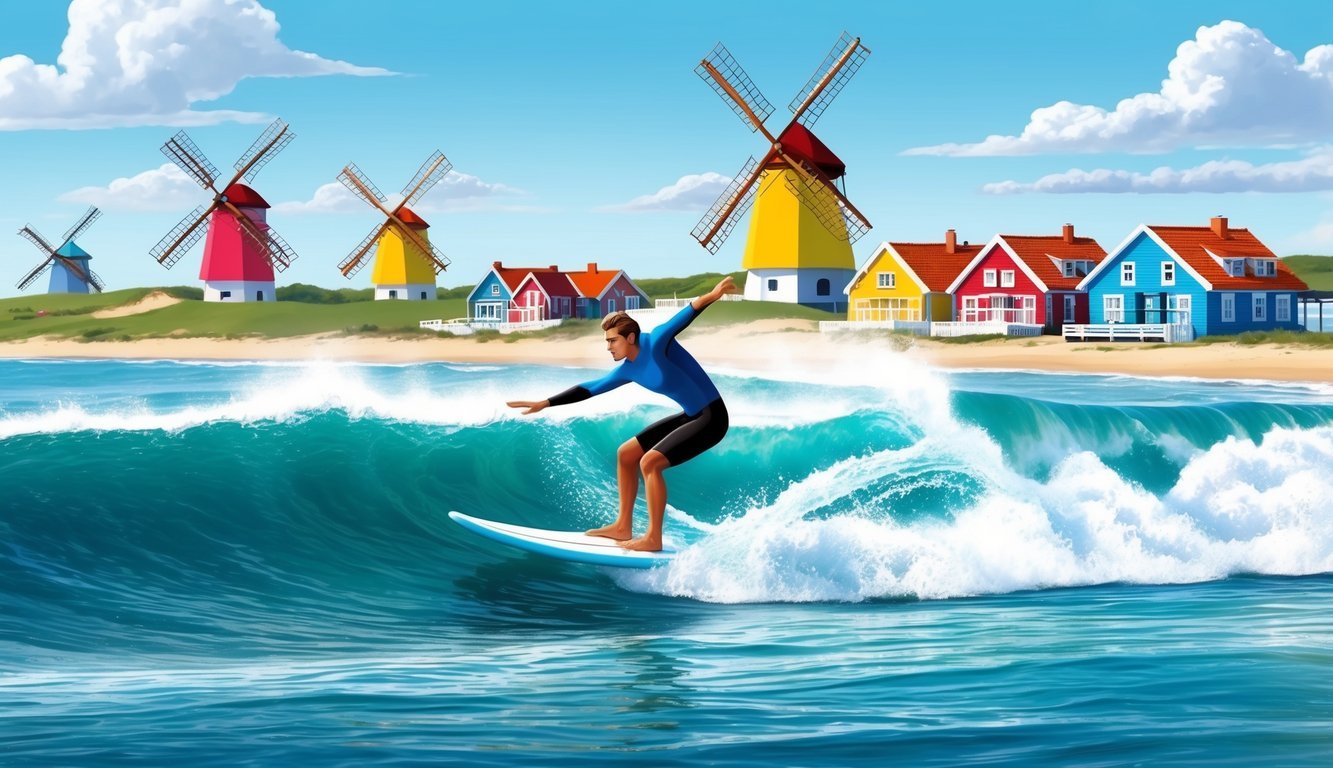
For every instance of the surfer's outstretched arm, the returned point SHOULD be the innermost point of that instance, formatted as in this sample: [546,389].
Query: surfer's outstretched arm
[574,394]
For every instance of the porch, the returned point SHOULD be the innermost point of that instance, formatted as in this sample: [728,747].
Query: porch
[1164,332]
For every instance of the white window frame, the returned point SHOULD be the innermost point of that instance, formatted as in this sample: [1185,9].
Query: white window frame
[1236,267]
[1265,268]
[1006,278]
[631,302]
[988,278]
[1282,307]
[1259,307]
[1127,273]
[970,309]
[1179,309]
[1071,307]
[889,284]
[1113,307]
[495,289]
[1168,273]
[1068,267]
[1228,307]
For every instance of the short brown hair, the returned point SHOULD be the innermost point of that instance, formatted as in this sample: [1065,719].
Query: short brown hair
[623,325]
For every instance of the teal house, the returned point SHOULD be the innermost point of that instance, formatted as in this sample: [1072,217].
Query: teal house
[1179,283]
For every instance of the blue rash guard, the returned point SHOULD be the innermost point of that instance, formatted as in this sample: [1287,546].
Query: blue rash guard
[662,366]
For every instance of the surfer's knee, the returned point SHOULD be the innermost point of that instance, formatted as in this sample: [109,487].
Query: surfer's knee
[654,462]
[630,452]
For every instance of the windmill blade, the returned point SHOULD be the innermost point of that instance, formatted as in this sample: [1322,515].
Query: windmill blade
[183,152]
[352,178]
[36,239]
[716,225]
[269,242]
[829,79]
[361,254]
[36,272]
[181,238]
[425,250]
[273,140]
[91,215]
[95,280]
[728,79]
[436,167]
[822,197]
[74,268]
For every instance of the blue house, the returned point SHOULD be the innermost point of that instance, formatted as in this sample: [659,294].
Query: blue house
[1198,280]
[493,297]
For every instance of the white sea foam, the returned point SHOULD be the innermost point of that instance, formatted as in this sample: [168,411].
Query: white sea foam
[1239,507]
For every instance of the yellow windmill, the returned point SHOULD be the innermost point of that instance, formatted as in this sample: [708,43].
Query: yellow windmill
[799,248]
[406,262]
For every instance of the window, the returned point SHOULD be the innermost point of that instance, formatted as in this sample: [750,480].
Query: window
[259,295]
[225,295]
[1178,309]
[1235,267]
[631,302]
[393,294]
[1114,308]
[1265,268]
[822,286]
[1068,268]
[970,309]
[988,278]
[1260,306]
[886,280]
[1127,273]
[1228,307]
[495,290]
[1070,304]
[1007,278]
[610,306]
[1168,273]
[1283,309]
[772,284]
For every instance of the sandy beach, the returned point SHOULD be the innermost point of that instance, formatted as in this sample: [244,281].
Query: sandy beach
[757,346]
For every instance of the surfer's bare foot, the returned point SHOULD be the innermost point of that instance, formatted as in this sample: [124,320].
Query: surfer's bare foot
[617,532]
[644,544]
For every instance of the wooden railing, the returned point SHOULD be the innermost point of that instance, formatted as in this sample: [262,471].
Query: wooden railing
[1166,332]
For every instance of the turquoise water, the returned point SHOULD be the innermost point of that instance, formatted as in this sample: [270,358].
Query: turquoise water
[227,564]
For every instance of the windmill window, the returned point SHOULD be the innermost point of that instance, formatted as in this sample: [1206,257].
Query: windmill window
[423,295]
[772,284]
[887,279]
[393,294]
[225,295]
[822,287]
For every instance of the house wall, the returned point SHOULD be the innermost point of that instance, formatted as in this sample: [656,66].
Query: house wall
[491,290]
[998,259]
[1244,312]
[905,287]
[1147,257]
[616,296]
[239,290]
[799,286]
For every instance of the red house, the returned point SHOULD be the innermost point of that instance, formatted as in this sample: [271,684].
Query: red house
[544,296]
[1027,279]
[603,291]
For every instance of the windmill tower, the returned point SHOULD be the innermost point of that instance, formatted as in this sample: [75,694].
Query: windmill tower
[241,250]
[405,261]
[68,263]
[799,248]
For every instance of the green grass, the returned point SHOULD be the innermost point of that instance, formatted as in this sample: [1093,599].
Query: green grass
[1296,338]
[1316,271]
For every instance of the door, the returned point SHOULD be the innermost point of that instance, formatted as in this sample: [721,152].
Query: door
[1071,306]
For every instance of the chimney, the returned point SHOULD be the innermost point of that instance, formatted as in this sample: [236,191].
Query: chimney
[1219,225]
[1068,233]
[950,241]
[554,268]
[497,265]
[592,267]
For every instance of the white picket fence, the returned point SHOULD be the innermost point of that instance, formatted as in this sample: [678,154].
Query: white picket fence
[915,327]
[464,326]
[1167,332]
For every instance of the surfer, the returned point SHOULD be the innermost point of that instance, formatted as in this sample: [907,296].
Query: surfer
[656,362]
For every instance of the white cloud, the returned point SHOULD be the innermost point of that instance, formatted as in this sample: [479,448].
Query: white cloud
[161,189]
[1316,240]
[146,62]
[1230,86]
[1312,173]
[455,192]
[693,192]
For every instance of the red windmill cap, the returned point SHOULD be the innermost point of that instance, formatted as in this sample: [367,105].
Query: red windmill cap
[798,140]
[240,195]
[411,219]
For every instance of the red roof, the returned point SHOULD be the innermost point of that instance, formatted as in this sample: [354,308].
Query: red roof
[798,140]
[593,281]
[555,284]
[1190,243]
[933,263]
[244,197]
[1036,253]
[411,219]
[514,275]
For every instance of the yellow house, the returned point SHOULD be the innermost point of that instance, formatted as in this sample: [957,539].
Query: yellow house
[401,270]
[908,282]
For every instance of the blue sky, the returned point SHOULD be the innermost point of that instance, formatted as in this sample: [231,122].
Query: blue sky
[579,132]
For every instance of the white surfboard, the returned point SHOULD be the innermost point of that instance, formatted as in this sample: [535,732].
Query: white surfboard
[576,546]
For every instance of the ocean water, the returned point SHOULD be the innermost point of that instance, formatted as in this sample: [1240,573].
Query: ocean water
[251,564]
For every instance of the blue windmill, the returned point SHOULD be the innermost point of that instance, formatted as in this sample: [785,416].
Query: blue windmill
[68,262]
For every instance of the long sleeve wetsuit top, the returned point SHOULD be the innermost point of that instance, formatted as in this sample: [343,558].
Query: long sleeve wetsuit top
[662,366]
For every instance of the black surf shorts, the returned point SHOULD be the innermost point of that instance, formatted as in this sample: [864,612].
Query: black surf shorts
[681,437]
